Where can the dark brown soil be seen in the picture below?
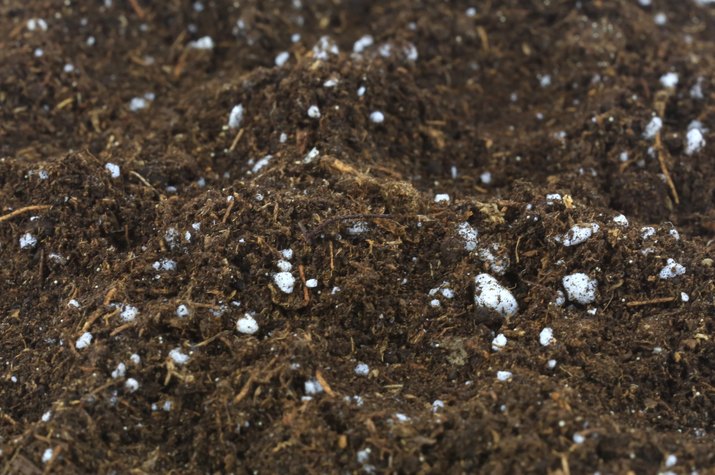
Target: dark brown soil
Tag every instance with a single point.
(546, 96)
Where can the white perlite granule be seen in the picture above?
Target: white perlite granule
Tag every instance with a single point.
(504, 375)
(490, 294)
(578, 234)
(178, 356)
(27, 241)
(469, 234)
(694, 141)
(285, 281)
(236, 116)
(361, 369)
(83, 341)
(671, 269)
(247, 325)
(580, 288)
(546, 336)
(653, 127)
(499, 342)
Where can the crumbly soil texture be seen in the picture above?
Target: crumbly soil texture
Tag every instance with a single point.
(250, 237)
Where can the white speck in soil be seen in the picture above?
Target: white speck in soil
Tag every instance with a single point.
(620, 220)
(282, 58)
(178, 356)
(284, 265)
(377, 117)
(27, 241)
(247, 325)
(546, 337)
(83, 341)
(129, 313)
(694, 141)
(119, 371)
(499, 342)
(236, 116)
(490, 294)
(671, 269)
(363, 43)
(131, 385)
(113, 170)
(580, 288)
(578, 234)
(314, 112)
(504, 375)
(653, 127)
(361, 369)
(469, 234)
(203, 43)
(669, 80)
(312, 387)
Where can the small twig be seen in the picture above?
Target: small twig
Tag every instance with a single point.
(660, 103)
(310, 236)
(144, 180)
(244, 390)
(109, 296)
(236, 140)
(211, 339)
(658, 300)
(516, 248)
(137, 9)
(228, 210)
(41, 270)
(306, 294)
(324, 383)
(20, 211)
(180, 63)
(121, 328)
(664, 168)
(332, 258)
